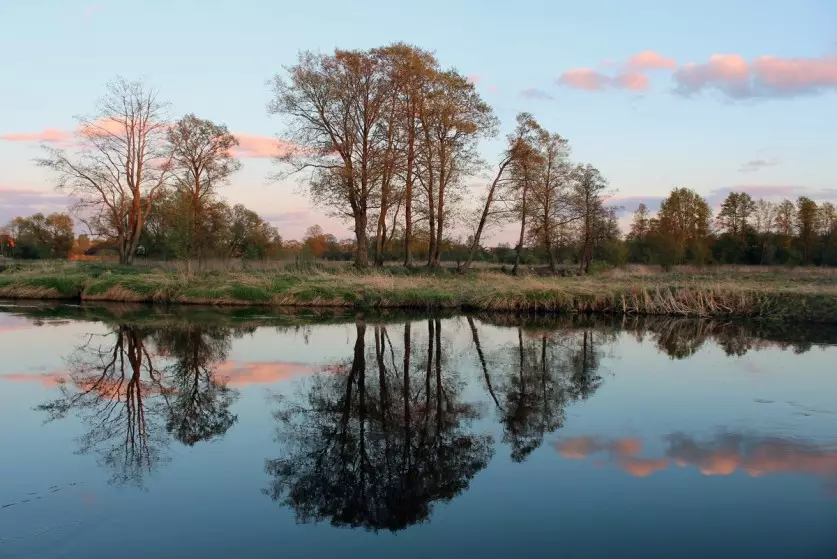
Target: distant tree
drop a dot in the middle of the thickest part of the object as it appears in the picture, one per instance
(202, 161)
(40, 236)
(316, 241)
(120, 166)
(82, 243)
(637, 239)
(683, 224)
(588, 197)
(807, 226)
(735, 213)
(785, 218)
(250, 236)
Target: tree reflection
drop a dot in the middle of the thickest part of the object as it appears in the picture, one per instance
(378, 452)
(132, 388)
(548, 370)
(199, 407)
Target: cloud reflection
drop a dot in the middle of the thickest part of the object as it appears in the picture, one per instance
(722, 455)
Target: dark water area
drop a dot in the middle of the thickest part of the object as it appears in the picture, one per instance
(131, 431)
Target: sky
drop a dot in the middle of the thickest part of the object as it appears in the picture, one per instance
(713, 95)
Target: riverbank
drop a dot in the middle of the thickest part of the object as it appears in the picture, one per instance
(805, 295)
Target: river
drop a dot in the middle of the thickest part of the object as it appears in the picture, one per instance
(136, 431)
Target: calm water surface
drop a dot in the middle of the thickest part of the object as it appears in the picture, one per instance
(138, 432)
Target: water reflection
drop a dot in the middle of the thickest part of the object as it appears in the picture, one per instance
(538, 377)
(399, 424)
(134, 388)
(720, 455)
(380, 438)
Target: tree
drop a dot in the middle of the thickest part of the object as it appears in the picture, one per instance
(807, 226)
(40, 236)
(828, 230)
(638, 242)
(735, 212)
(520, 156)
(411, 70)
(453, 118)
(785, 218)
(551, 207)
(334, 104)
(764, 220)
(121, 164)
(250, 236)
(316, 240)
(683, 222)
(525, 170)
(202, 160)
(588, 194)
(82, 244)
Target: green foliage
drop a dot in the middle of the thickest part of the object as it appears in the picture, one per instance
(39, 237)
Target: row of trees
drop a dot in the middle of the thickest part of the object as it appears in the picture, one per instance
(387, 138)
(745, 231)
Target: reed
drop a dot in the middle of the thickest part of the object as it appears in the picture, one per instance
(765, 294)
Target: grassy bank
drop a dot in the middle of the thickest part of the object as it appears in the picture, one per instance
(798, 295)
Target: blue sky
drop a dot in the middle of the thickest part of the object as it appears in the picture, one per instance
(676, 125)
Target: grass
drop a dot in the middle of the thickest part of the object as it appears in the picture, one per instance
(808, 295)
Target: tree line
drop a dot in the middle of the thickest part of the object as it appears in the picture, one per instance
(745, 231)
(388, 140)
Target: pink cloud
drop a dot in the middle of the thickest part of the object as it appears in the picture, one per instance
(589, 79)
(792, 75)
(765, 76)
(48, 135)
(650, 60)
(268, 372)
(261, 146)
(474, 78)
(493, 89)
(632, 81)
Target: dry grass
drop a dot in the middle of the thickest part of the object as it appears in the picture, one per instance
(795, 294)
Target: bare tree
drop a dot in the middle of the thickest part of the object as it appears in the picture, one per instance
(410, 70)
(333, 104)
(120, 165)
(202, 160)
(551, 208)
(588, 194)
(520, 153)
(453, 118)
(526, 169)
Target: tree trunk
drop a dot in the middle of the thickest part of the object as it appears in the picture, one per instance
(408, 198)
(484, 217)
(362, 255)
(406, 396)
(519, 248)
(475, 336)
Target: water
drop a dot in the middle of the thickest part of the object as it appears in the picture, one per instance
(137, 432)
